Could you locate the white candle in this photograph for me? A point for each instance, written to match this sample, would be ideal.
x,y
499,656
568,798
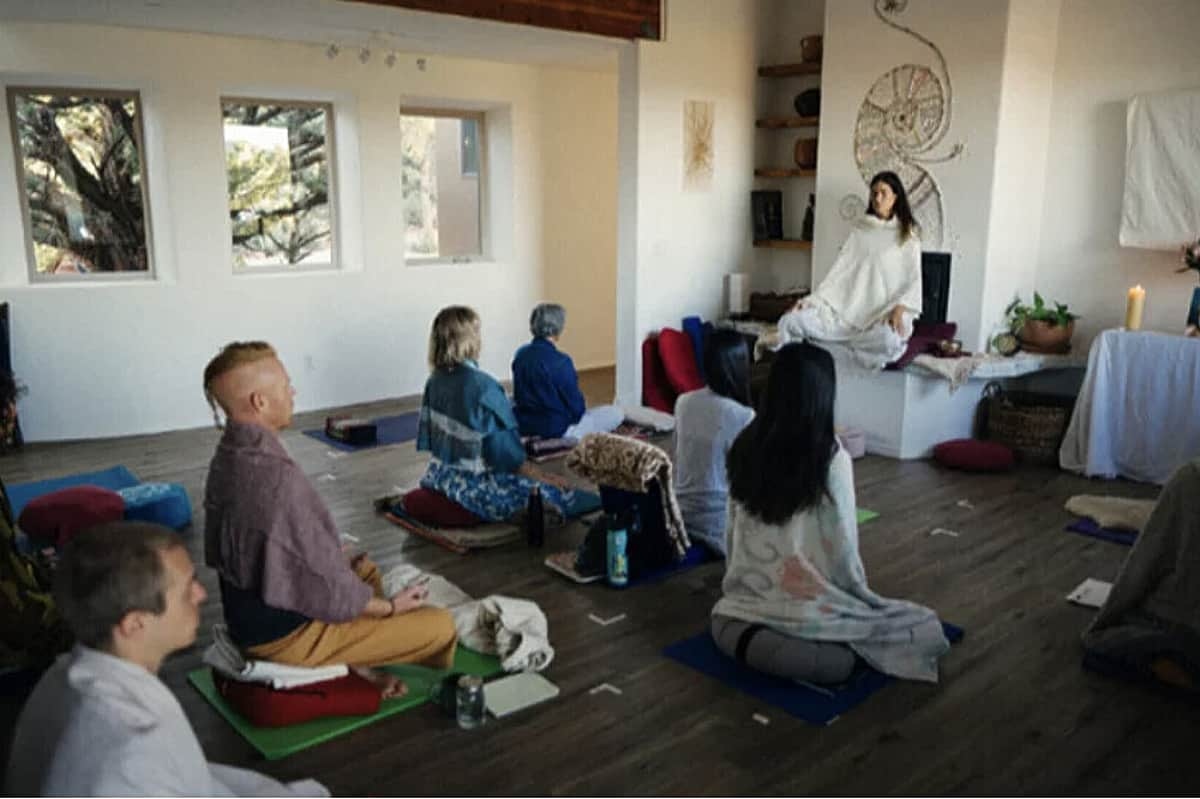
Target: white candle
x,y
1133,308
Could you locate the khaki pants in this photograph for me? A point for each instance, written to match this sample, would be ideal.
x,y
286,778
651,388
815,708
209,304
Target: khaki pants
x,y
425,636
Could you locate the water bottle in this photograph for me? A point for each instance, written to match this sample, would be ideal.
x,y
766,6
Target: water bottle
x,y
470,704
617,562
535,522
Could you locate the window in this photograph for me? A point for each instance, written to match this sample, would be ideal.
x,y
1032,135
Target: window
x,y
278,168
81,172
442,175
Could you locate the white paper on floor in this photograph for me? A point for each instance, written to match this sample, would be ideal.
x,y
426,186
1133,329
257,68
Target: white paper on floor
x,y
965,503
605,622
1091,593
943,531
612,689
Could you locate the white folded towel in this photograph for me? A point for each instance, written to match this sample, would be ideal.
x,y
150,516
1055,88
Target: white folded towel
x,y
224,656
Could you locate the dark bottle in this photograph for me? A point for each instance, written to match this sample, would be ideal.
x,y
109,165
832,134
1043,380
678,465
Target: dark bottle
x,y
806,232
535,523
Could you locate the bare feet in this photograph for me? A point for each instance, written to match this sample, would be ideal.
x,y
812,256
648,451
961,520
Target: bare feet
x,y
389,685
1168,670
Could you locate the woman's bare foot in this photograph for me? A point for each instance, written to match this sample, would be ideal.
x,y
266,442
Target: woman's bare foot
x,y
390,686
1168,670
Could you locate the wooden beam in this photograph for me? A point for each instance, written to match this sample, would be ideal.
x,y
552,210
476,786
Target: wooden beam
x,y
621,19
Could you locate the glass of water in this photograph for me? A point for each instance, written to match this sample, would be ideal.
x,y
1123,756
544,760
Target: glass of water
x,y
470,704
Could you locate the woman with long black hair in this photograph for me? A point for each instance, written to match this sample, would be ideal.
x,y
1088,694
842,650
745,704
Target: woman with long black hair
x,y
795,598
706,423
872,293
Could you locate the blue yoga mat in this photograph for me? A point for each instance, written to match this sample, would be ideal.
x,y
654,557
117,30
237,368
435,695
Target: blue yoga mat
x,y
116,478
696,555
1089,527
819,705
388,430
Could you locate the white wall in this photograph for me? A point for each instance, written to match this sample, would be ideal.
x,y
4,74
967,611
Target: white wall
x,y
687,240
1020,168
1108,51
579,208
859,49
105,360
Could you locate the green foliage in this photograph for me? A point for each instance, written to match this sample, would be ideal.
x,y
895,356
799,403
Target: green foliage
x,y
278,184
1018,313
82,179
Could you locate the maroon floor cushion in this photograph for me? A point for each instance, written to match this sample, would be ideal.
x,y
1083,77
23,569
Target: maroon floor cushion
x,y
264,706
679,361
971,455
430,507
656,389
55,518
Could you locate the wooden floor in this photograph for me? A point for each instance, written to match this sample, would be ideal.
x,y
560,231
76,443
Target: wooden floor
x,y
1013,714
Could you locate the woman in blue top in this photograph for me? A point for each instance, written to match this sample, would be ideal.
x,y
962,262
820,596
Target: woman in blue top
x,y
467,424
546,391
706,423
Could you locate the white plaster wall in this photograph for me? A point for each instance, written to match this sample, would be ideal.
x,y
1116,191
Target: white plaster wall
x,y
687,240
1108,51
1018,198
579,208
104,360
458,194
859,49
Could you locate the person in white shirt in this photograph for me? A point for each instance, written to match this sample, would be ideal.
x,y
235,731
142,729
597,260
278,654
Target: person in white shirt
x,y
100,722
872,294
706,423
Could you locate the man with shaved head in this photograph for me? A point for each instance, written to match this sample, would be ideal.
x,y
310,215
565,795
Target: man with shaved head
x,y
289,593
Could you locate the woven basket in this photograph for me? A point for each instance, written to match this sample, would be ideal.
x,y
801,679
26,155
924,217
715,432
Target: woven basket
x,y
1030,424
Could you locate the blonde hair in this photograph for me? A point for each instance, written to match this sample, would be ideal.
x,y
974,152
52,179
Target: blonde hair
x,y
454,337
230,357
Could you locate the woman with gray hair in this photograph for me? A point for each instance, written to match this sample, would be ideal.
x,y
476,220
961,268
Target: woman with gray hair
x,y
548,401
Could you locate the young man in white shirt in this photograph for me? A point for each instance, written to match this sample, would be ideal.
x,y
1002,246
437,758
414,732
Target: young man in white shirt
x,y
100,722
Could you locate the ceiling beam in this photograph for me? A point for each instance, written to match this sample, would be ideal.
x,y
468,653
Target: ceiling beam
x,y
621,19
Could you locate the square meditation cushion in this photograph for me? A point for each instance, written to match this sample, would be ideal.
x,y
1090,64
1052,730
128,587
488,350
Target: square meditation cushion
x,y
264,706
159,503
971,455
56,518
656,389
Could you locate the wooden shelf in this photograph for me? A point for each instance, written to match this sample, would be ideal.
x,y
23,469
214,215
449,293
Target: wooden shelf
x,y
784,244
789,70
770,172
787,122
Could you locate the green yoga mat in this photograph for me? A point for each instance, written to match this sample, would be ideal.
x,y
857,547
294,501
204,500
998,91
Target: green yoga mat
x,y
277,742
865,515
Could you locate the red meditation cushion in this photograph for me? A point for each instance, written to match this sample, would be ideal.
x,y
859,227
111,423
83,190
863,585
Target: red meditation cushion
x,y
264,706
56,518
656,390
679,361
430,507
974,456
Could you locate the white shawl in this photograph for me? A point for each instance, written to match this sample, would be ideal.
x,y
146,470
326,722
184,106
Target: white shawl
x,y
99,725
873,274
805,578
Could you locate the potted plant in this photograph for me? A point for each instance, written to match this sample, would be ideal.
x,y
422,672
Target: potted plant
x,y
1040,327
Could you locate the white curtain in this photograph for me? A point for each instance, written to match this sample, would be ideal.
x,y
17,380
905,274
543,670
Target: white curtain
x,y
1161,209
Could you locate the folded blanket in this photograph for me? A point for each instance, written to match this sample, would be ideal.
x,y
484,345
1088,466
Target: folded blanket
x,y
224,656
514,629
656,420
1112,512
624,463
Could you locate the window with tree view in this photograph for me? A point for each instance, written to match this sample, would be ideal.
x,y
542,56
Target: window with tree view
x,y
277,161
81,168
442,176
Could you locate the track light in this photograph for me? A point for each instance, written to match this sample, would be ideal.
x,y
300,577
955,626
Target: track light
x,y
364,55
390,59
331,52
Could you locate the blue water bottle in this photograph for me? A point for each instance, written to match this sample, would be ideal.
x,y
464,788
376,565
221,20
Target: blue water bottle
x,y
618,563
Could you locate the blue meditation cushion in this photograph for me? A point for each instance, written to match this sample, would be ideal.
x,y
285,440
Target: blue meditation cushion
x,y
159,503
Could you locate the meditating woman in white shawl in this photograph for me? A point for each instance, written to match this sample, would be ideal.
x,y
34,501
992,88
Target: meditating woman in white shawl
x,y
869,299
795,598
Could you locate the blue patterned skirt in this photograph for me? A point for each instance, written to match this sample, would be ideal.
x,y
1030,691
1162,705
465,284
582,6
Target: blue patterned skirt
x,y
494,496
